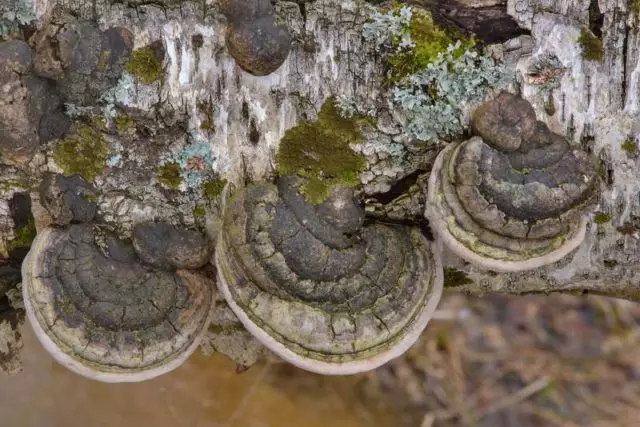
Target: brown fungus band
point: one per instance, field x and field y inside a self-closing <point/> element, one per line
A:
<point x="514" y="197"/>
<point x="255" y="40"/>
<point x="109" y="317"/>
<point x="317" y="287"/>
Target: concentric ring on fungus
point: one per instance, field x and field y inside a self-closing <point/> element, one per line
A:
<point x="316" y="287"/>
<point x="106" y="319"/>
<point x="515" y="197"/>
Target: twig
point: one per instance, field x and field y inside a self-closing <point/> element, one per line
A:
<point x="512" y="399"/>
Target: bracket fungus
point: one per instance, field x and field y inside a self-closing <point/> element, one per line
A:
<point x="513" y="198"/>
<point x="318" y="288"/>
<point x="111" y="318"/>
<point x="255" y="40"/>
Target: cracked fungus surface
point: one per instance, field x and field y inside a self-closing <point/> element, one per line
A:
<point x="114" y="316"/>
<point x="317" y="282"/>
<point x="517" y="191"/>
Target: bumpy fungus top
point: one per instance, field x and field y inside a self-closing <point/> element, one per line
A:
<point x="30" y="110"/>
<point x="165" y="246"/>
<point x="83" y="60"/>
<point x="67" y="199"/>
<point x="258" y="44"/>
<point x="318" y="288"/>
<point x="108" y="317"/>
<point x="514" y="197"/>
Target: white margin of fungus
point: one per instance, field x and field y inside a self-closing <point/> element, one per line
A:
<point x="29" y="273"/>
<point x="437" y="221"/>
<point x="341" y="368"/>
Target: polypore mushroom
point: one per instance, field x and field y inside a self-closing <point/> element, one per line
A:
<point x="316" y="287"/>
<point x="83" y="60"/>
<point x="111" y="318"/>
<point x="514" y="197"/>
<point x="254" y="39"/>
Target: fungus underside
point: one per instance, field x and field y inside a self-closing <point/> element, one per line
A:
<point x="319" y="152"/>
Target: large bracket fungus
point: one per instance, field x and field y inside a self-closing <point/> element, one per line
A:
<point x="109" y="317"/>
<point x="255" y="40"/>
<point x="318" y="288"/>
<point x="514" y="197"/>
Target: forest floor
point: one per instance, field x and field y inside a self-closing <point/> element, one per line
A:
<point x="520" y="361"/>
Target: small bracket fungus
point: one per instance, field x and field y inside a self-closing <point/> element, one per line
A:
<point x="514" y="197"/>
<point x="318" y="288"/>
<point x="111" y="318"/>
<point x="83" y="60"/>
<point x="258" y="44"/>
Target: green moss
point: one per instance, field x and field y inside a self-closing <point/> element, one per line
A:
<point x="206" y="111"/>
<point x="453" y="278"/>
<point x="24" y="237"/>
<point x="8" y="184"/>
<point x="213" y="187"/>
<point x="84" y="153"/>
<point x="629" y="145"/>
<point x="592" y="49"/>
<point x="124" y="123"/>
<point x="199" y="211"/>
<point x="319" y="151"/>
<point x="601" y="218"/>
<point x="430" y="41"/>
<point x="169" y="175"/>
<point x="634" y="7"/>
<point x="145" y="65"/>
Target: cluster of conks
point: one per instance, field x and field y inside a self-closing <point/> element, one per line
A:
<point x="319" y="289"/>
<point x="111" y="318"/>
<point x="254" y="39"/>
<point x="515" y="196"/>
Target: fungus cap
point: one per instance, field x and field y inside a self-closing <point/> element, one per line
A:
<point x="324" y="300"/>
<point x="106" y="319"/>
<point x="515" y="200"/>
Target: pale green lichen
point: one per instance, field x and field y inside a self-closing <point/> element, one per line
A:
<point x="320" y="152"/>
<point x="145" y="65"/>
<point x="13" y="14"/>
<point x="83" y="153"/>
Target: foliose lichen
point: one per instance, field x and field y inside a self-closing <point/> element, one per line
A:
<point x="451" y="81"/>
<point x="14" y="13"/>
<point x="145" y="65"/>
<point x="320" y="152"/>
<point x="592" y="49"/>
<point x="195" y="161"/>
<point x="83" y="153"/>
